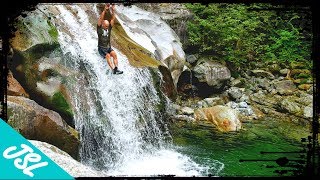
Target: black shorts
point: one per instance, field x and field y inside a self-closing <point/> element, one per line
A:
<point x="104" y="51"/>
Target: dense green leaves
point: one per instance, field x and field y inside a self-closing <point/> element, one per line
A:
<point x="238" y="34"/>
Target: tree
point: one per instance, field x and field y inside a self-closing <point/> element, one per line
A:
<point x="237" y="34"/>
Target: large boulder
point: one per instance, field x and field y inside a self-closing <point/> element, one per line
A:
<point x="285" y="87"/>
<point x="224" y="118"/>
<point x="150" y="31"/>
<point x="175" y="14"/>
<point x="290" y="106"/>
<point x="38" y="123"/>
<point x="14" y="87"/>
<point x="37" y="64"/>
<point x="65" y="161"/>
<point x="215" y="74"/>
<point x="175" y="65"/>
<point x="32" y="30"/>
<point x="45" y="79"/>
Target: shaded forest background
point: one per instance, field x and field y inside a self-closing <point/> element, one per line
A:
<point x="243" y="35"/>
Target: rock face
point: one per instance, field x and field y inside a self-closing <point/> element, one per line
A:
<point x="36" y="122"/>
<point x="65" y="161"/>
<point x="45" y="79"/>
<point x="14" y="87"/>
<point x="33" y="30"/>
<point x="37" y="64"/>
<point x="175" y="14"/>
<point x="167" y="85"/>
<point x="224" y="118"/>
<point x="212" y="73"/>
<point x="150" y="31"/>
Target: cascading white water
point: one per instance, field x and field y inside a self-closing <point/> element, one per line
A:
<point x="121" y="131"/>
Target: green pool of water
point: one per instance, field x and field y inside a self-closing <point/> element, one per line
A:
<point x="206" y="146"/>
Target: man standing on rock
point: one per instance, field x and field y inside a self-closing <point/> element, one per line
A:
<point x="104" y="32"/>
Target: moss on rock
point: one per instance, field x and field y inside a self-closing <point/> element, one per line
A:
<point x="53" y="31"/>
<point x="60" y="102"/>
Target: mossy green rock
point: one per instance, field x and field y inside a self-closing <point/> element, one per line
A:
<point x="290" y="106"/>
<point x="36" y="38"/>
<point x="58" y="100"/>
<point x="34" y="29"/>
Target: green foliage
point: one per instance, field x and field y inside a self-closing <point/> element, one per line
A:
<point x="303" y="81"/>
<point x="53" y="31"/>
<point x="302" y="75"/>
<point x="286" y="46"/>
<point x="234" y="33"/>
<point x="235" y="74"/>
<point x="61" y="104"/>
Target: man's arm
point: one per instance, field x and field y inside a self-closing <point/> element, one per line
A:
<point x="113" y="14"/>
<point x="106" y="8"/>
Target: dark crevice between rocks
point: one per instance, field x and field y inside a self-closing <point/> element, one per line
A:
<point x="167" y="85"/>
<point x="189" y="86"/>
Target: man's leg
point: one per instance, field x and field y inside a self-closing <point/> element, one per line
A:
<point x="109" y="61"/>
<point x="115" y="61"/>
<point x="115" y="58"/>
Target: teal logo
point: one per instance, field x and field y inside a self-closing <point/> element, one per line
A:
<point x="19" y="159"/>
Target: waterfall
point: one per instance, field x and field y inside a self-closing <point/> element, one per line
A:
<point x="121" y="131"/>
